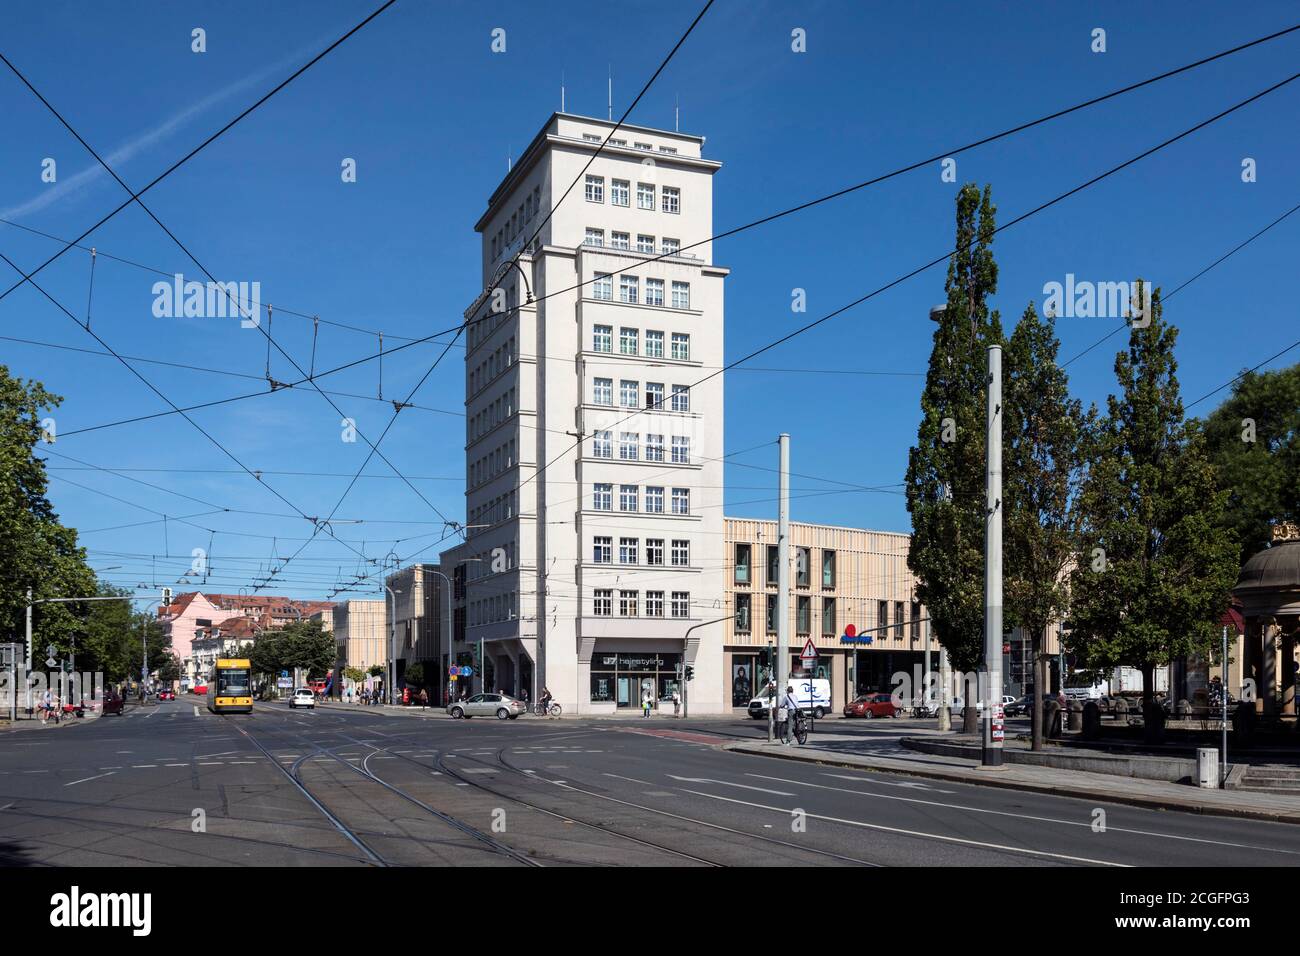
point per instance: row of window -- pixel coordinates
(629, 551)
(595, 236)
(500, 360)
(620, 194)
(629, 499)
(500, 607)
(629, 342)
(629, 447)
(629, 290)
(512, 227)
(593, 138)
(484, 324)
(493, 464)
(803, 617)
(629, 394)
(493, 414)
(500, 508)
(802, 566)
(629, 603)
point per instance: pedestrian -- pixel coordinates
(677, 703)
(523, 695)
(424, 698)
(645, 703)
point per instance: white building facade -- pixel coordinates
(593, 457)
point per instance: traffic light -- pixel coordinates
(690, 672)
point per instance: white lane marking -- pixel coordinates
(224, 753)
(242, 761)
(84, 779)
(914, 833)
(632, 779)
(35, 771)
(142, 766)
(435, 773)
(151, 713)
(727, 783)
(659, 793)
(7, 806)
(178, 765)
(479, 770)
(196, 710)
(887, 783)
(1026, 816)
(212, 763)
(118, 767)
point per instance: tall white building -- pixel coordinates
(585, 567)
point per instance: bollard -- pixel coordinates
(1075, 711)
(1207, 768)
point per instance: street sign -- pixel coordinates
(850, 630)
(50, 662)
(284, 682)
(452, 671)
(467, 672)
(451, 676)
(284, 673)
(809, 651)
(51, 649)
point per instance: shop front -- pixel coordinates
(624, 678)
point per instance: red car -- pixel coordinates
(166, 695)
(112, 703)
(872, 705)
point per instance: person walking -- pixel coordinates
(645, 703)
(791, 707)
(677, 703)
(424, 698)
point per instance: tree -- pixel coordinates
(945, 469)
(415, 675)
(170, 669)
(302, 644)
(1254, 443)
(1156, 566)
(1042, 464)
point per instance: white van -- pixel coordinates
(813, 696)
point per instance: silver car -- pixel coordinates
(502, 706)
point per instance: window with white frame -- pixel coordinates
(602, 445)
(620, 240)
(627, 549)
(602, 338)
(654, 292)
(619, 191)
(654, 395)
(672, 199)
(602, 287)
(681, 450)
(627, 495)
(670, 247)
(681, 553)
(595, 188)
(681, 604)
(654, 447)
(629, 446)
(681, 501)
(654, 344)
(654, 552)
(629, 393)
(645, 196)
(603, 602)
(627, 289)
(654, 604)
(668, 149)
(591, 137)
(645, 243)
(602, 391)
(594, 237)
(645, 146)
(681, 398)
(602, 497)
(627, 341)
(681, 295)
(681, 347)
(602, 550)
(627, 602)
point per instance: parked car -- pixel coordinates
(302, 697)
(113, 703)
(872, 705)
(502, 706)
(1019, 707)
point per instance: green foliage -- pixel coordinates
(1156, 564)
(1254, 443)
(415, 675)
(376, 670)
(945, 469)
(354, 674)
(302, 644)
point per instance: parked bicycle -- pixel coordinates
(543, 710)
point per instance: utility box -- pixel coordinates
(1207, 768)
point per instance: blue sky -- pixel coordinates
(431, 115)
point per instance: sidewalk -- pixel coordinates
(1152, 794)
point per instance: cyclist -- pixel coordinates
(546, 701)
(791, 712)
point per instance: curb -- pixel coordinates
(976, 778)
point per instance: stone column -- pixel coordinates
(1268, 667)
(1250, 657)
(1287, 664)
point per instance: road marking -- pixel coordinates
(242, 761)
(118, 767)
(633, 779)
(84, 779)
(888, 783)
(224, 753)
(35, 771)
(915, 833)
(726, 783)
(212, 763)
(435, 773)
(479, 770)
(178, 765)
(196, 710)
(143, 766)
(659, 793)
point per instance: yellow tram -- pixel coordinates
(231, 689)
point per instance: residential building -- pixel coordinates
(360, 634)
(593, 459)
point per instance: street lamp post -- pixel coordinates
(392, 643)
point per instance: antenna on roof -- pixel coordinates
(610, 97)
(509, 159)
(677, 115)
(561, 91)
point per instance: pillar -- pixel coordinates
(1287, 664)
(1250, 655)
(1268, 667)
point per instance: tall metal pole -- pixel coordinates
(925, 681)
(783, 571)
(30, 668)
(993, 727)
(945, 678)
(1223, 697)
(392, 640)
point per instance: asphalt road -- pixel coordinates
(171, 784)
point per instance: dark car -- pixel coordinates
(113, 703)
(1020, 707)
(872, 705)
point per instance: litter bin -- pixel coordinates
(1207, 768)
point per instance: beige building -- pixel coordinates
(360, 633)
(418, 606)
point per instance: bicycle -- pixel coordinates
(543, 710)
(798, 730)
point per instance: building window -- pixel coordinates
(771, 614)
(654, 604)
(916, 620)
(602, 391)
(602, 497)
(627, 289)
(595, 188)
(627, 548)
(828, 569)
(620, 240)
(654, 500)
(681, 295)
(645, 146)
(671, 247)
(602, 445)
(742, 613)
(627, 601)
(899, 619)
(681, 501)
(773, 565)
(803, 614)
(654, 395)
(591, 137)
(603, 603)
(681, 553)
(594, 237)
(742, 563)
(602, 338)
(628, 341)
(654, 344)
(882, 618)
(629, 446)
(602, 550)
(619, 190)
(681, 347)
(672, 199)
(627, 497)
(629, 393)
(654, 551)
(645, 196)
(654, 447)
(681, 604)
(602, 287)
(654, 292)
(645, 243)
(828, 617)
(681, 450)
(681, 398)
(802, 572)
